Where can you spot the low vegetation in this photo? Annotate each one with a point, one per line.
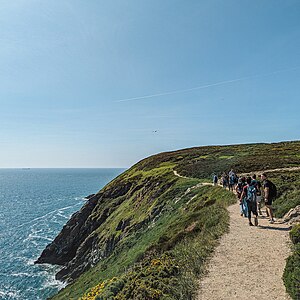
(291, 275)
(170, 250)
(169, 267)
(288, 184)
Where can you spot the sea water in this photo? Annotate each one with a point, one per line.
(34, 206)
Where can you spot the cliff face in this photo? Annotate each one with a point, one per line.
(148, 209)
(74, 246)
(89, 236)
(63, 248)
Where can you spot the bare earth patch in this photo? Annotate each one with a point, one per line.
(248, 263)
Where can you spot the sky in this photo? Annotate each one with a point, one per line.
(106, 83)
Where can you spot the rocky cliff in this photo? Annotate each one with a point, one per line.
(89, 236)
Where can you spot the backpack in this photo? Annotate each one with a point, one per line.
(251, 193)
(258, 188)
(272, 189)
(257, 185)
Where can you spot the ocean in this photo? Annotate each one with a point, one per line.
(34, 206)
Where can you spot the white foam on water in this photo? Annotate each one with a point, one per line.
(20, 258)
(21, 274)
(82, 199)
(63, 216)
(51, 282)
(9, 295)
(54, 220)
(30, 262)
(32, 237)
(24, 274)
(46, 215)
(41, 237)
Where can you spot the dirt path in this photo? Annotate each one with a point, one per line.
(248, 263)
(254, 172)
(272, 170)
(178, 175)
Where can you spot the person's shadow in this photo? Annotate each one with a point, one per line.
(275, 228)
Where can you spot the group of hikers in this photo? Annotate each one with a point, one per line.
(250, 192)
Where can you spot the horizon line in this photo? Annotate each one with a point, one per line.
(29, 168)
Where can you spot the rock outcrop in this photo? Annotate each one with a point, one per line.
(77, 245)
(293, 216)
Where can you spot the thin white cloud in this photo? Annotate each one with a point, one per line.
(205, 86)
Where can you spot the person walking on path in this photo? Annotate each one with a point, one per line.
(258, 187)
(215, 179)
(239, 189)
(224, 181)
(231, 180)
(270, 194)
(249, 193)
(243, 199)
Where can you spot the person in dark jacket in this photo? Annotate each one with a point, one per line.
(269, 198)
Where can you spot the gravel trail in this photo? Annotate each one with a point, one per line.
(248, 263)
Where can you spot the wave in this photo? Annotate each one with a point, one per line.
(30, 262)
(46, 215)
(63, 216)
(32, 236)
(21, 274)
(51, 282)
(7, 295)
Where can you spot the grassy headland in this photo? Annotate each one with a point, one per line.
(154, 230)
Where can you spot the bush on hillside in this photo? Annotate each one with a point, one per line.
(291, 275)
(149, 280)
(295, 234)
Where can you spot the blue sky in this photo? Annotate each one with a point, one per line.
(64, 66)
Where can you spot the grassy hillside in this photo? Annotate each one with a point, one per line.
(154, 230)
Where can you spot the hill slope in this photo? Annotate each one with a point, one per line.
(147, 234)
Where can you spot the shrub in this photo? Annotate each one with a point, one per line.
(295, 234)
(291, 275)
